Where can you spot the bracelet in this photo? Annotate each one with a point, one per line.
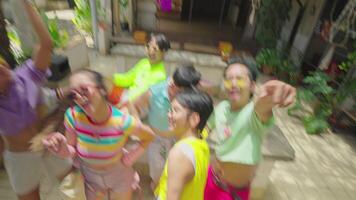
(59, 93)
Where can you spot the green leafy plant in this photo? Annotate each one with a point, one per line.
(280, 65)
(323, 99)
(59, 37)
(351, 61)
(83, 18)
(269, 57)
(271, 16)
(15, 45)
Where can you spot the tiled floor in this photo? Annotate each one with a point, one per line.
(324, 168)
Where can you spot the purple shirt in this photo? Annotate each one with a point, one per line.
(18, 105)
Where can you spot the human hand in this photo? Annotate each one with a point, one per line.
(56, 143)
(278, 93)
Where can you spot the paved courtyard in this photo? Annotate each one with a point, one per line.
(324, 167)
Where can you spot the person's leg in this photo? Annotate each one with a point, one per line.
(34, 195)
(58, 167)
(155, 162)
(24, 170)
(122, 180)
(92, 193)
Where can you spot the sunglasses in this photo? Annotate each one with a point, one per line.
(239, 83)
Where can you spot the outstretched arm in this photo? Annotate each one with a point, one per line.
(140, 105)
(42, 56)
(273, 93)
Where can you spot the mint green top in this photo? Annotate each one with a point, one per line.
(239, 134)
(159, 106)
(140, 77)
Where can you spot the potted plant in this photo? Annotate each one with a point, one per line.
(225, 49)
(268, 59)
(324, 100)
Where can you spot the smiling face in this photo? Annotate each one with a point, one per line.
(154, 53)
(5, 76)
(85, 92)
(238, 84)
(179, 118)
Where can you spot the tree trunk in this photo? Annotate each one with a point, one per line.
(5, 50)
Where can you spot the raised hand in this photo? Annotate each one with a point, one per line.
(273, 93)
(278, 93)
(130, 157)
(56, 143)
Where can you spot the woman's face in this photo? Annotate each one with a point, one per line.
(85, 92)
(237, 84)
(178, 118)
(153, 51)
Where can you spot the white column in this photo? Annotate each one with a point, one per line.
(94, 22)
(105, 27)
(306, 29)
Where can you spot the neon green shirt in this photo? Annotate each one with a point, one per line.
(140, 77)
(239, 134)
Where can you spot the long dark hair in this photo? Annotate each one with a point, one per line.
(186, 76)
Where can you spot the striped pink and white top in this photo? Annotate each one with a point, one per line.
(99, 145)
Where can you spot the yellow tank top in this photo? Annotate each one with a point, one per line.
(195, 188)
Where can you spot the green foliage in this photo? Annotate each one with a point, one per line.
(270, 57)
(282, 66)
(318, 84)
(271, 17)
(15, 45)
(350, 62)
(323, 98)
(314, 125)
(59, 37)
(82, 15)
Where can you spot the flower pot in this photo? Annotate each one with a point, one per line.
(225, 49)
(140, 37)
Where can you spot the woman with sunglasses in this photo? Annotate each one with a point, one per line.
(240, 124)
(185, 172)
(144, 74)
(154, 106)
(96, 133)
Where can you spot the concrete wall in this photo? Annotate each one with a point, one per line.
(288, 26)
